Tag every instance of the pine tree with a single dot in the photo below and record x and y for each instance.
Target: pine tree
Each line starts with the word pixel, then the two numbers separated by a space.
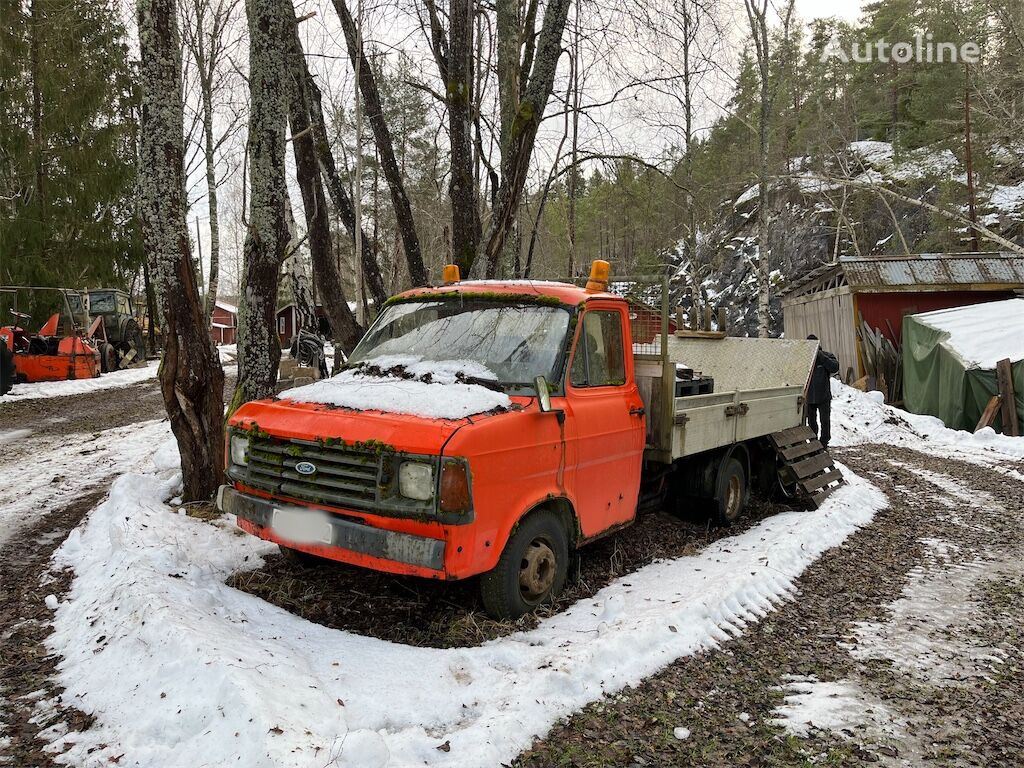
pixel 67 145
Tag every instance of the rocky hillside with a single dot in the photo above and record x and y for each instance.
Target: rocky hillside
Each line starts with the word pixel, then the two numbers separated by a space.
pixel 828 208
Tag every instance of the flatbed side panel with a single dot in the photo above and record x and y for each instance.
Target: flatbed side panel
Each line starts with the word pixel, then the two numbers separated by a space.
pixel 768 411
pixel 702 423
pixel 746 364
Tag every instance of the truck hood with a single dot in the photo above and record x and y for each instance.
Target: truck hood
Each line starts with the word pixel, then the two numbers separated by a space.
pixel 311 421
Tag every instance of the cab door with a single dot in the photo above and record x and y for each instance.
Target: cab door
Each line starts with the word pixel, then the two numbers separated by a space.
pixel 606 419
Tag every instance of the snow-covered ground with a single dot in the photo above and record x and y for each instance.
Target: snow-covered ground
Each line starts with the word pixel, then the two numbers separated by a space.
pixel 113 380
pixel 180 669
pixel 862 417
pixel 58 470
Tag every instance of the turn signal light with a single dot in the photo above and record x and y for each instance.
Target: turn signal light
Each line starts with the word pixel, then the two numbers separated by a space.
pixel 455 487
pixel 600 271
pixel 450 274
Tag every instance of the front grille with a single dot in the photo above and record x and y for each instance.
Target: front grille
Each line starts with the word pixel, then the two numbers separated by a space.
pixel 345 476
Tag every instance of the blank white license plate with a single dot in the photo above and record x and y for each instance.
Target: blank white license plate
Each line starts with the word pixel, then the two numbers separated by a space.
pixel 302 526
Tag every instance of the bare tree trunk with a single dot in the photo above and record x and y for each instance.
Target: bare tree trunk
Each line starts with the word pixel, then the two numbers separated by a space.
pixel 382 138
pixel 267 237
pixel 339 195
pixel 515 166
pixel 211 198
pixel 191 378
pixel 465 217
pixel 757 16
pixel 326 276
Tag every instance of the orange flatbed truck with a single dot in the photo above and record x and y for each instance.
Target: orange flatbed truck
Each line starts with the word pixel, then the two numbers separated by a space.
pixel 593 430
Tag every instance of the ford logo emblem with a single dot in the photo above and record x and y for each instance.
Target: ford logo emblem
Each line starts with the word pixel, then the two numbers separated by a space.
pixel 305 468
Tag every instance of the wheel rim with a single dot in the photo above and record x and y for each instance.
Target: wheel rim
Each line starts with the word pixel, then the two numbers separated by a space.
pixel 537 570
pixel 732 498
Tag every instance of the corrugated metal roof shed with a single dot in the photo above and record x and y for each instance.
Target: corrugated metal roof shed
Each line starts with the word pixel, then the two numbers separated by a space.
pixel 921 272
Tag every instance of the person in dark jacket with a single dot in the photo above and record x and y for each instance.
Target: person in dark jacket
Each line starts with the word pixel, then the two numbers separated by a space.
pixel 819 394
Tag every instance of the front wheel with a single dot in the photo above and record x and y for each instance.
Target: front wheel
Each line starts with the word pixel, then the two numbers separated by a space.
pixel 532 569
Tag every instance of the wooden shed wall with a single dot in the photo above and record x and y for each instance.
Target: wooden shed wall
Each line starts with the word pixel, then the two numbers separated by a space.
pixel 829 315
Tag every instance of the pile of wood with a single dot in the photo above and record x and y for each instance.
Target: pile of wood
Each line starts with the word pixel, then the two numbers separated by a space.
pixel 1003 404
pixel 883 364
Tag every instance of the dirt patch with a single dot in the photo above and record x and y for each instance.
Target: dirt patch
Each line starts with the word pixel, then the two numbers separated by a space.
pixel 27 669
pixel 449 615
pixel 720 708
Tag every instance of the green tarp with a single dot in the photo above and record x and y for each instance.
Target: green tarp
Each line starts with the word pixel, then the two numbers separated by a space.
pixel 949 361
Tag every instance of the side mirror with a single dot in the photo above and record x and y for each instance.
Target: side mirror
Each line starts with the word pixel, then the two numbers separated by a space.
pixel 544 398
pixel 543 394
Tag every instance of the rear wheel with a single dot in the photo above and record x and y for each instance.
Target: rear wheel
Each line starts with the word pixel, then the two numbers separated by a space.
pixel 532 568
pixel 133 334
pixel 730 492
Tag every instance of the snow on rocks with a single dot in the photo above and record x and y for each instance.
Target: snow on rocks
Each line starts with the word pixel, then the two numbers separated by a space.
pixel 408 384
pixel 114 380
pixel 51 602
pixel 180 669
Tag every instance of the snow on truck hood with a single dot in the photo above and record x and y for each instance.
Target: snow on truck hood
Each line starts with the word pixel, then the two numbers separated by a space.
pixel 407 384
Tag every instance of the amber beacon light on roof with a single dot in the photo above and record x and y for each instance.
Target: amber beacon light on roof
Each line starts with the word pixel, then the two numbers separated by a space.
pixel 600 271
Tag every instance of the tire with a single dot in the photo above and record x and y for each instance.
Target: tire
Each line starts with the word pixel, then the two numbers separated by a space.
pixel 300 558
pixel 532 569
pixel 730 492
pixel 108 358
pixel 135 341
pixel 7 372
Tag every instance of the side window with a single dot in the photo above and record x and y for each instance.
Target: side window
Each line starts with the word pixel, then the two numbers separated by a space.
pixel 599 360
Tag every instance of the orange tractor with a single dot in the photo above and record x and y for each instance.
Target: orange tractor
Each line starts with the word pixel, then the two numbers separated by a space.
pixel 60 350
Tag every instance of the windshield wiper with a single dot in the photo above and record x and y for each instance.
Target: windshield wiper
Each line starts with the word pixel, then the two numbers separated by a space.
pixel 480 381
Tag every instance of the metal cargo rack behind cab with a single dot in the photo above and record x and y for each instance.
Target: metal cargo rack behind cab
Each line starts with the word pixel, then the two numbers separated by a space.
pixel 759 383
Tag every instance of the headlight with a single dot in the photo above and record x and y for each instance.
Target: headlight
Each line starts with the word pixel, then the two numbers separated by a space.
pixel 416 480
pixel 239 450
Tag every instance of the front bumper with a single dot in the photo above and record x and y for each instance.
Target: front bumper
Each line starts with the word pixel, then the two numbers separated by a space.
pixel 360 538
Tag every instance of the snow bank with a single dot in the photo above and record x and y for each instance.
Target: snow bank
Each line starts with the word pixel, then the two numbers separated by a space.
pixel 113 380
pixel 982 334
pixel 862 417
pixel 180 669
pixel 437 390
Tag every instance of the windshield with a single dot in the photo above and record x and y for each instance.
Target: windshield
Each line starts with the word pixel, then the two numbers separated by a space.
pixel 515 342
pixel 101 302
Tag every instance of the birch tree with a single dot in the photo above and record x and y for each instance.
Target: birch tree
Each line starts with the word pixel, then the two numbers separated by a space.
pixel 267 236
pixel 191 378
pixel 757 16
pixel 209 39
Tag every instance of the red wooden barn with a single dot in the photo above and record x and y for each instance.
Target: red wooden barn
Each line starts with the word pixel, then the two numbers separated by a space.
pixel 223 322
pixel 831 301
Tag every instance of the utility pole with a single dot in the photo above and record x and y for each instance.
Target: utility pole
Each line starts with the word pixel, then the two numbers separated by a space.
pixel 969 160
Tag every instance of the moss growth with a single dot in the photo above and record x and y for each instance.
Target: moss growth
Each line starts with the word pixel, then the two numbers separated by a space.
pixel 507 298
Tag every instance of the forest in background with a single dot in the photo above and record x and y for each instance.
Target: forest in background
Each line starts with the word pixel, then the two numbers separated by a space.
pixel 69 124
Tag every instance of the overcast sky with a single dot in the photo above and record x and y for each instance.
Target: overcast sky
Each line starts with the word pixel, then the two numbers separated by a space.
pixel 813 9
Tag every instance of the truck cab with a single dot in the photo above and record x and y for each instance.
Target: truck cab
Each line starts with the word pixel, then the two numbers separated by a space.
pixel 485 429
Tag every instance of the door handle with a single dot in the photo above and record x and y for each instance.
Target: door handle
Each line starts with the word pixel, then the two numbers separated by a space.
pixel 637 411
